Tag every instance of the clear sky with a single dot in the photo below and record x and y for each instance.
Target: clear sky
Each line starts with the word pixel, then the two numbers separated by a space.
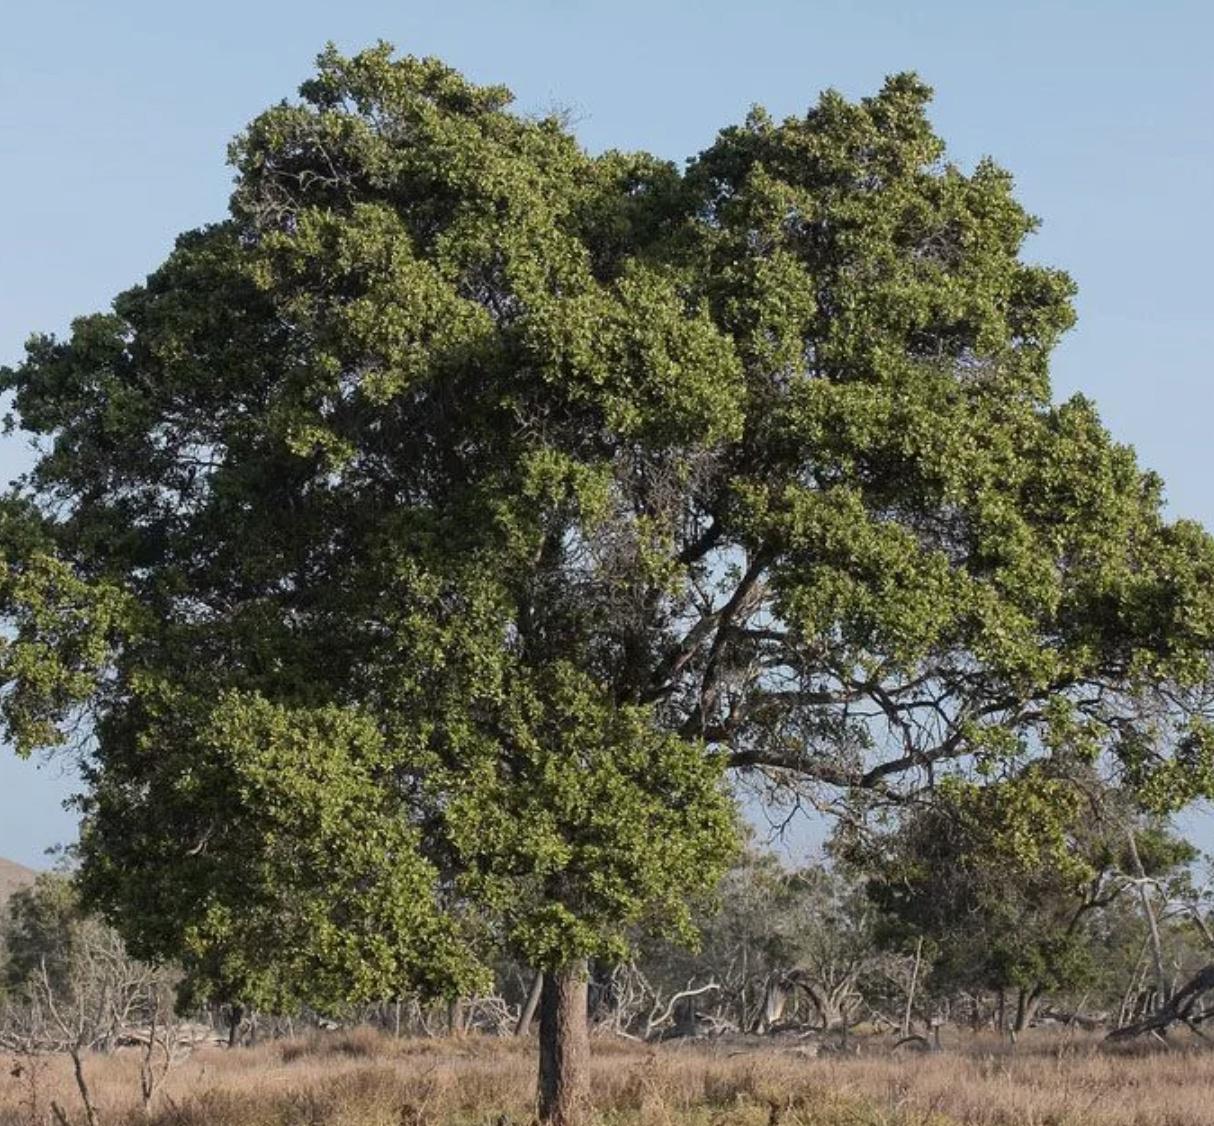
pixel 114 119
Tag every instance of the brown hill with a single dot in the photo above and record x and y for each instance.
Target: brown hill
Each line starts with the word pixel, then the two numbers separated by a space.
pixel 13 877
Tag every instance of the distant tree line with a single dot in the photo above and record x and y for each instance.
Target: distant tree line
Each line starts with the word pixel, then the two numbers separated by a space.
pixel 1095 921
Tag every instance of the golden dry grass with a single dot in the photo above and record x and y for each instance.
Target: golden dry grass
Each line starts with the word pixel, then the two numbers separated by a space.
pixel 362 1079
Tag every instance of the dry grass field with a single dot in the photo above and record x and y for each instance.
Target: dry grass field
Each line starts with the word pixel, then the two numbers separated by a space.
pixel 362 1079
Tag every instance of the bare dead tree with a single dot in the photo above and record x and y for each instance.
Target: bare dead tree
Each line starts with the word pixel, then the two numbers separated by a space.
pixel 1181 1008
pixel 94 999
pixel 660 1015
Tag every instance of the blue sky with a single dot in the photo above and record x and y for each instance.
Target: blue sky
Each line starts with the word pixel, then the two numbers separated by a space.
pixel 114 118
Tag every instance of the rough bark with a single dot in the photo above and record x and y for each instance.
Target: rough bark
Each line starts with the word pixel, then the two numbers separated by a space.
pixel 564 1079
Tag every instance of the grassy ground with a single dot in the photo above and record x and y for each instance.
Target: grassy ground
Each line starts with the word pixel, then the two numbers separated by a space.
pixel 362 1079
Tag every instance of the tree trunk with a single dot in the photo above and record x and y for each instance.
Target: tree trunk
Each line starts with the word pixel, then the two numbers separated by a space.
pixel 86 1096
pixel 775 998
pixel 1161 974
pixel 523 1028
pixel 910 993
pixel 1026 1009
pixel 830 1011
pixel 564 1081
pixel 235 1019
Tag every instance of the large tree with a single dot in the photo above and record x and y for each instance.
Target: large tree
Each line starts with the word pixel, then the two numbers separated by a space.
pixel 434 530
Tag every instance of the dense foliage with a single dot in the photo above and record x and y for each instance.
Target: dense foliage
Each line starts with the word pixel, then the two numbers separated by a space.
pixel 1017 886
pixel 436 529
